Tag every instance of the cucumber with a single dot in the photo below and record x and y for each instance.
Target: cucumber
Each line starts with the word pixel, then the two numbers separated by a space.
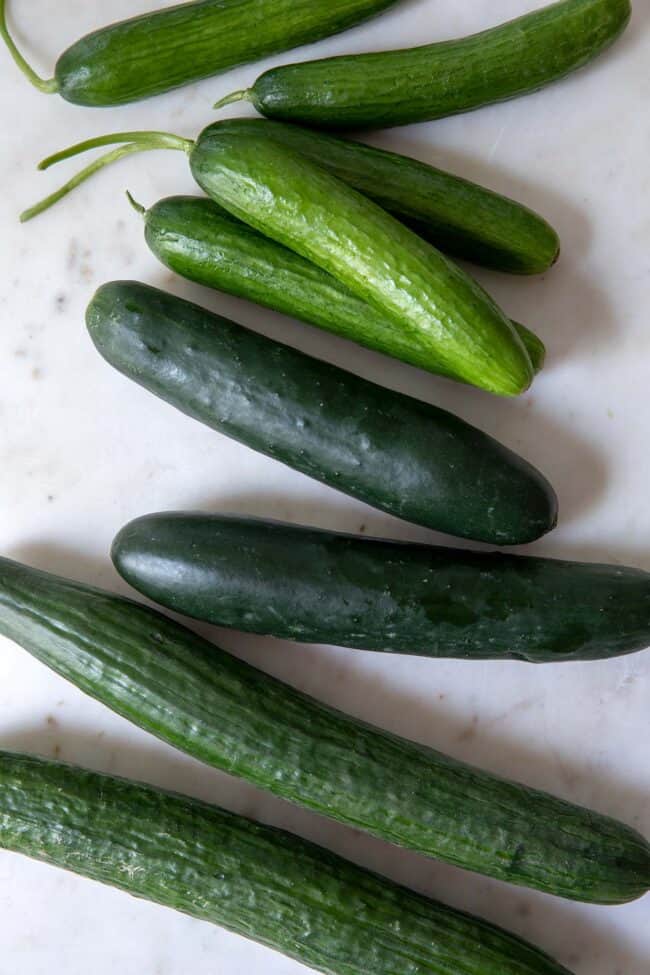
pixel 459 217
pixel 396 453
pixel 436 80
pixel 202 242
pixel 262 883
pixel 158 51
pixel 317 586
pixel 452 325
pixel 222 711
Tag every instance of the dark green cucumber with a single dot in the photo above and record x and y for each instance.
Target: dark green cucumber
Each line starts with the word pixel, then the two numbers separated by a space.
pixel 459 217
pixel 233 717
pixel 396 453
pixel 437 80
pixel 201 241
pixel 324 587
pixel 158 51
pixel 448 319
pixel 262 883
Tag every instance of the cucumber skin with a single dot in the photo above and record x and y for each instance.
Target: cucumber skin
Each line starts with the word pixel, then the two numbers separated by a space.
pixel 200 241
pixel 316 586
pixel 448 78
pixel 443 313
pixel 393 452
pixel 461 218
pixel 224 712
pixel 263 883
pixel 155 52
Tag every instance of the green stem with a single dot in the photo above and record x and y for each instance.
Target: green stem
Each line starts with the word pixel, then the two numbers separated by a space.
pixel 47 85
pixel 136 206
pixel 246 94
pixel 135 142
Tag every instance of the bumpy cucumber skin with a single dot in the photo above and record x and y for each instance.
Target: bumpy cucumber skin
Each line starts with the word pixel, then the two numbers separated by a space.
pixel 259 882
pixel 447 78
pixel 396 453
pixel 443 313
pixel 231 716
pixel 156 52
pixel 199 240
pixel 324 587
pixel 461 218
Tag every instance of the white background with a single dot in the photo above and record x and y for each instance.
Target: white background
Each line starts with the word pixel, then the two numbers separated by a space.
pixel 82 450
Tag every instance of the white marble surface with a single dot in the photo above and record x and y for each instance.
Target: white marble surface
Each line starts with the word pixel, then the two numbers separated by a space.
pixel 82 450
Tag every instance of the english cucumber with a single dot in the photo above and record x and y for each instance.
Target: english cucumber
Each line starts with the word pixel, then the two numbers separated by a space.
pixel 202 242
pixel 396 453
pixel 436 80
pixel 158 51
pixel 231 716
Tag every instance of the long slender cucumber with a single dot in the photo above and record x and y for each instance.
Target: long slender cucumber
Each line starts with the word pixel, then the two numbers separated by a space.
pixel 396 453
pixel 450 322
pixel 158 51
pixel 437 80
pixel 459 217
pixel 262 883
pixel 202 242
pixel 229 715
pixel 324 587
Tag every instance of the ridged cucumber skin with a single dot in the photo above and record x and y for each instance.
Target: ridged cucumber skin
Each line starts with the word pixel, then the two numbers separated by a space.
pixel 200 241
pixel 398 454
pixel 317 586
pixel 233 717
pixel 263 883
pixel 442 312
pixel 459 217
pixel 431 82
pixel 156 52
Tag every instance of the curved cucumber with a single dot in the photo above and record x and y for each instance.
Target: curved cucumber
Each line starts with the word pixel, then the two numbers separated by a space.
pixel 459 217
pixel 231 716
pixel 158 51
pixel 396 453
pixel 437 80
pixel 259 882
pixel 323 587
pixel 447 318
pixel 197 239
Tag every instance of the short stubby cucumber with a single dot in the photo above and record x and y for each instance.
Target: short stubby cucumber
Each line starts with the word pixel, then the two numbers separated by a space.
pixel 451 323
pixel 436 80
pixel 262 883
pixel 460 217
pixel 231 716
pixel 396 453
pixel 158 51
pixel 325 587
pixel 199 240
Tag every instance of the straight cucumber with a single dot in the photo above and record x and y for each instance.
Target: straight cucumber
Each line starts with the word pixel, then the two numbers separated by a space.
pixel 396 453
pixel 324 587
pixel 450 322
pixel 233 717
pixel 262 883
pixel 437 80
pixel 202 242
pixel 158 51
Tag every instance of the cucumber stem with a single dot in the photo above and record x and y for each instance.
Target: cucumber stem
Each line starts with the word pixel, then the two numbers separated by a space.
pixel 136 206
pixel 47 85
pixel 134 142
pixel 244 95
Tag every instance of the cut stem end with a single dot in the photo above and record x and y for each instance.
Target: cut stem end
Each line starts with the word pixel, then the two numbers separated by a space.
pixel 244 95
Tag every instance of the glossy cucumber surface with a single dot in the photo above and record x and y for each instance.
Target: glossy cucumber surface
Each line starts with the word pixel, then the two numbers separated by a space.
pixel 233 717
pixel 447 318
pixel 446 78
pixel 199 240
pixel 156 52
pixel 325 587
pixel 396 453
